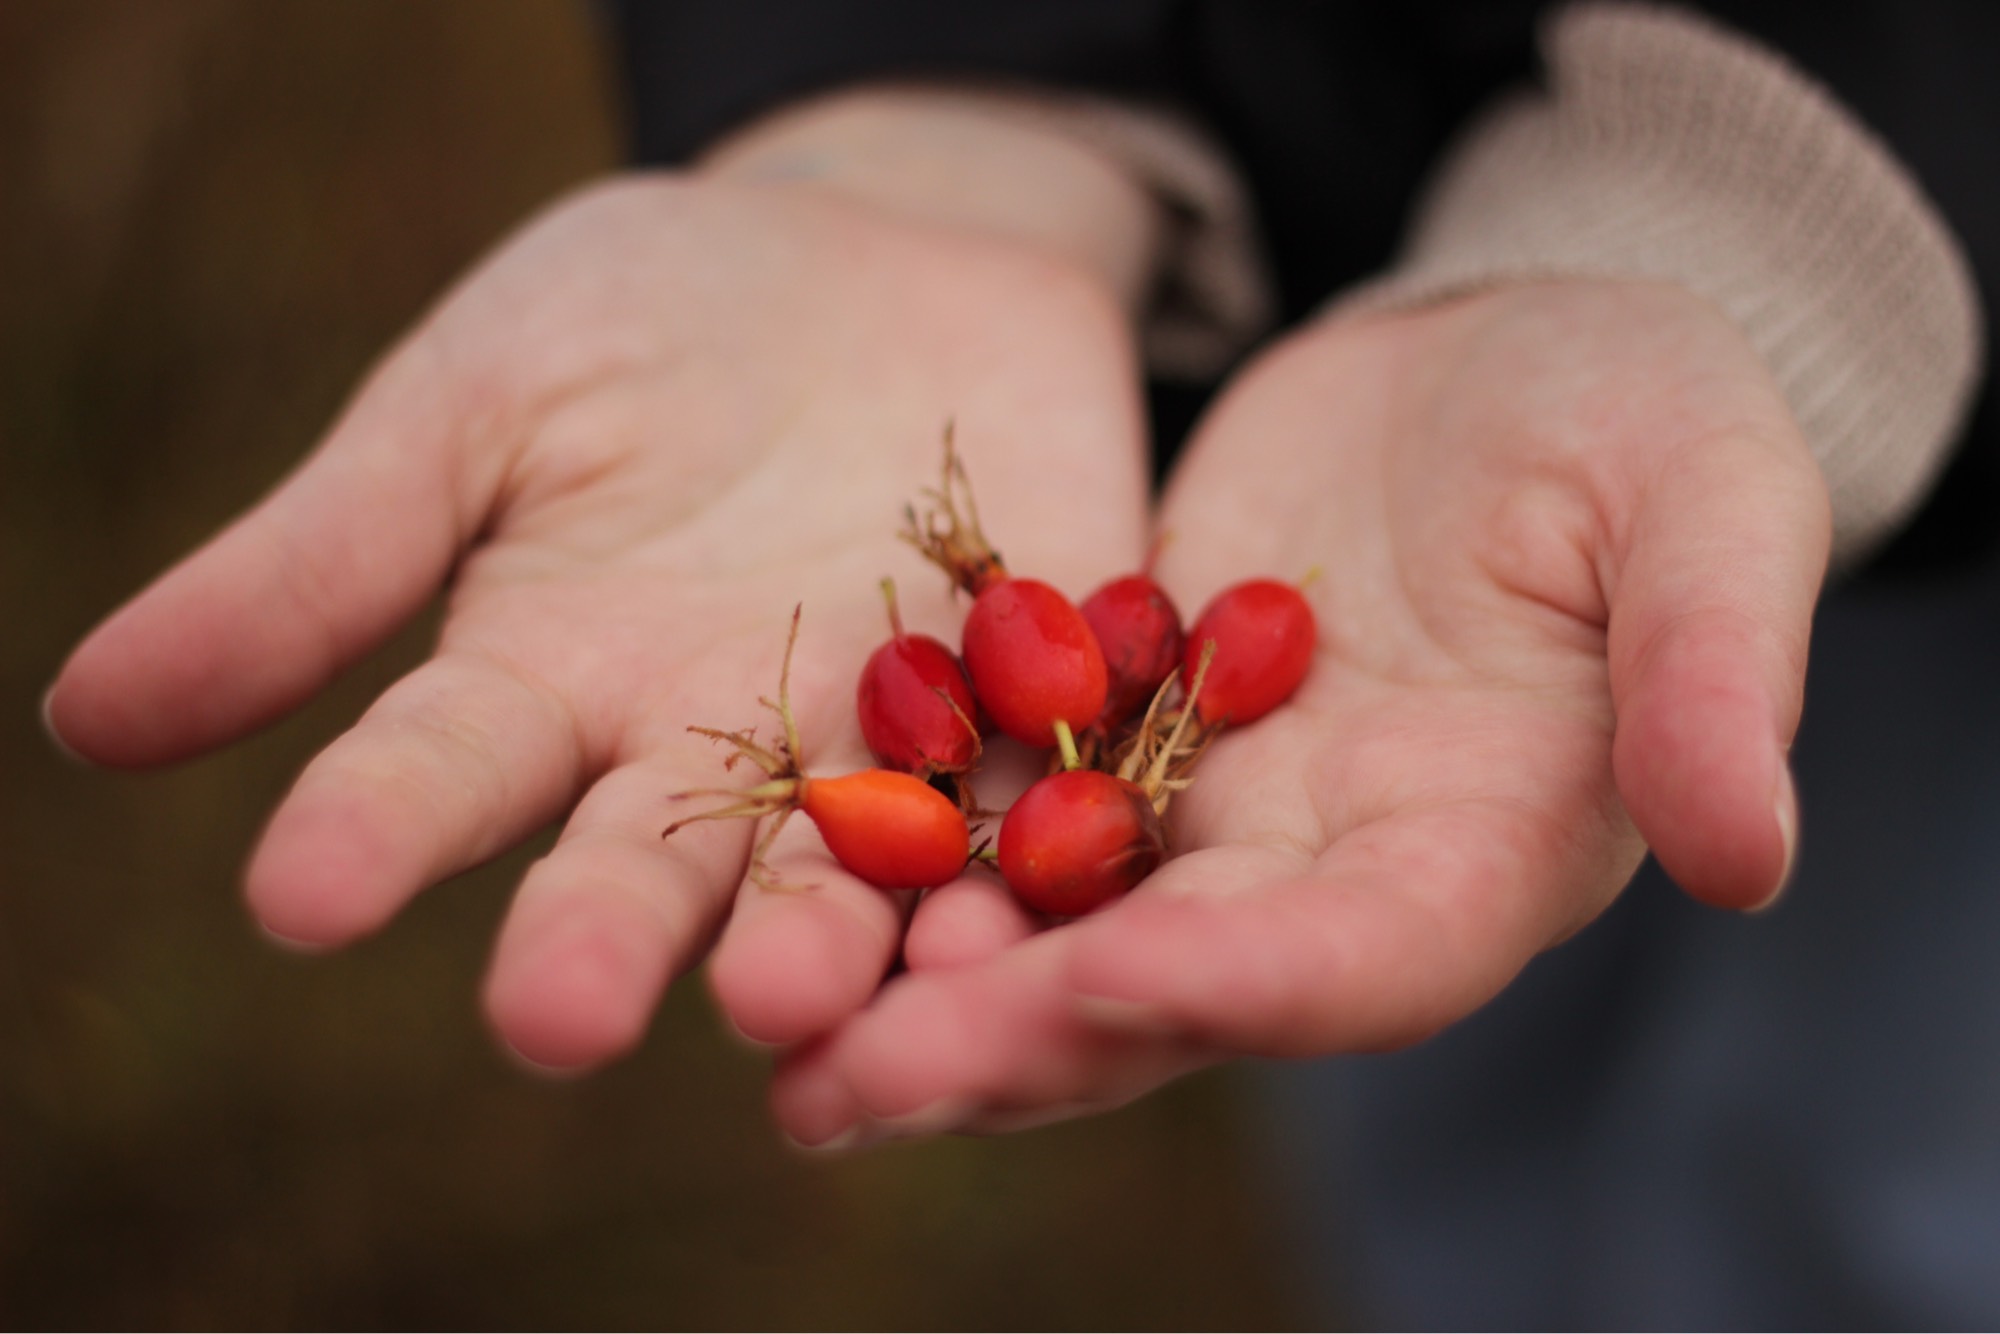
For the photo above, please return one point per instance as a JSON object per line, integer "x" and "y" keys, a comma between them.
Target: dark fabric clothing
{"x": 1333, "y": 113}
{"x": 1336, "y": 112}
{"x": 1919, "y": 74}
{"x": 1685, "y": 1119}
{"x": 1680, "y": 1119}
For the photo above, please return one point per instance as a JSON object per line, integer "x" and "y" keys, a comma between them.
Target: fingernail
{"x": 541, "y": 1069}
{"x": 754, "y": 1044}
{"x": 1788, "y": 829}
{"x": 292, "y": 944}
{"x": 933, "y": 1118}
{"x": 846, "y": 1141}
{"x": 55, "y": 737}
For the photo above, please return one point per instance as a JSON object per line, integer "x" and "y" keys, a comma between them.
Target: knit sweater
{"x": 1659, "y": 144}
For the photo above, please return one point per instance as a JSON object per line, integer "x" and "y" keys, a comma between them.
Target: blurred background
{"x": 213, "y": 215}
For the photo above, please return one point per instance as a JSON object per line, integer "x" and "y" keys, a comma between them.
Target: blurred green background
{"x": 213, "y": 214}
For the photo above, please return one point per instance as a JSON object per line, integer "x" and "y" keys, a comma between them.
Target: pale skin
{"x": 1568, "y": 545}
{"x": 626, "y": 447}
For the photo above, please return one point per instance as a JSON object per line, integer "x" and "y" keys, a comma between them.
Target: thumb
{"x": 1711, "y": 597}
{"x": 263, "y": 615}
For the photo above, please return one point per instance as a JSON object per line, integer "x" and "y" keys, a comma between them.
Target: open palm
{"x": 628, "y": 446}
{"x": 1566, "y": 542}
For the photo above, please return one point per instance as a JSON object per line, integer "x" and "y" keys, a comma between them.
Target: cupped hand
{"x": 1564, "y": 541}
{"x": 627, "y": 446}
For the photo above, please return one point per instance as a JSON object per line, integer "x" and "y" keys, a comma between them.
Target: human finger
{"x": 1404, "y": 925}
{"x": 986, "y": 1048}
{"x": 611, "y": 915}
{"x": 966, "y": 922}
{"x": 805, "y": 946}
{"x": 1711, "y": 597}
{"x": 453, "y": 764}
{"x": 264, "y": 615}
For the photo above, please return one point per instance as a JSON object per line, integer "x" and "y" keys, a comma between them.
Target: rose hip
{"x": 1264, "y": 633}
{"x": 1078, "y": 839}
{"x": 1033, "y": 661}
{"x": 1081, "y": 837}
{"x": 1138, "y": 628}
{"x": 1034, "y": 664}
{"x": 890, "y": 829}
{"x": 915, "y": 704}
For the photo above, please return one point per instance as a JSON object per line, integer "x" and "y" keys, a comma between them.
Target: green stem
{"x": 895, "y": 613}
{"x": 1066, "y": 743}
{"x": 791, "y": 725}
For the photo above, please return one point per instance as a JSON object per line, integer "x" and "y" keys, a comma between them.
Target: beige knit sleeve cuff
{"x": 1665, "y": 147}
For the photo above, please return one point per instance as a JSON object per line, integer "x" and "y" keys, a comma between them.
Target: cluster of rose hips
{"x": 1088, "y": 683}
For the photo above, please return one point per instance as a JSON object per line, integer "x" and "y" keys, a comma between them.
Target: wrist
{"x": 962, "y": 159}
{"x": 1667, "y": 148}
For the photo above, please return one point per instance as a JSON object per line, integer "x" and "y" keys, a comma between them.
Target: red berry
{"x": 1139, "y": 630}
{"x": 1033, "y": 661}
{"x": 916, "y": 707}
{"x": 891, "y": 829}
{"x": 915, "y": 704}
{"x": 1078, "y": 839}
{"x": 1264, "y": 634}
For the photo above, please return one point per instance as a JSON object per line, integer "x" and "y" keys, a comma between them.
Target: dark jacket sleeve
{"x": 1919, "y": 73}
{"x": 1333, "y": 112}
{"x": 1336, "y": 112}
{"x": 695, "y": 69}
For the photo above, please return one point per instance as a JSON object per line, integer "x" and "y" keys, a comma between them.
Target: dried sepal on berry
{"x": 1079, "y": 838}
{"x": 1160, "y": 756}
{"x": 1034, "y": 663}
{"x": 889, "y": 828}
{"x": 948, "y": 533}
{"x": 779, "y": 794}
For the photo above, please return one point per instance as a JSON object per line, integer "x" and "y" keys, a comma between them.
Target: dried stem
{"x": 786, "y": 781}
{"x": 948, "y": 535}
{"x": 1159, "y": 764}
{"x": 792, "y": 747}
